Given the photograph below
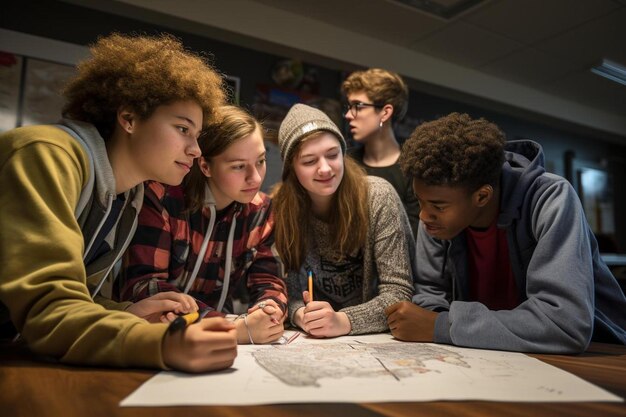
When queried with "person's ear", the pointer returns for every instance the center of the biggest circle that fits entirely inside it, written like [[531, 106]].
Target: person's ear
[[483, 195], [204, 167], [386, 113], [126, 119]]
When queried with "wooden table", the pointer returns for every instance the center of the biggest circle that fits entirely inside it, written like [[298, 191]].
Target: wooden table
[[35, 388]]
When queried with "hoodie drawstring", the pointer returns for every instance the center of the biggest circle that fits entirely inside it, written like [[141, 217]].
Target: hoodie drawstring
[[205, 243], [229, 257], [96, 290]]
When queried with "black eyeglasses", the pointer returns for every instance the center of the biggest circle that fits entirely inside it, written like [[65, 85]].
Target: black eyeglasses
[[356, 106]]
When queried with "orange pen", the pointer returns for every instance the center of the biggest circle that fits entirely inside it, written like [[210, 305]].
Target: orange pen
[[310, 285]]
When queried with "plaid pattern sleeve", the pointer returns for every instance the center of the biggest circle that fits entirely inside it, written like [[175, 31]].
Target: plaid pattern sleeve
[[168, 240], [266, 274], [146, 268]]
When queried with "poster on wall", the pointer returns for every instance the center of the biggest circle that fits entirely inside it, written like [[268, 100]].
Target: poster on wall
[[10, 79], [290, 81], [43, 82]]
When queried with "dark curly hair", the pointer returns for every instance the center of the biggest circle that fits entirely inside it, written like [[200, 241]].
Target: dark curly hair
[[140, 73], [455, 150]]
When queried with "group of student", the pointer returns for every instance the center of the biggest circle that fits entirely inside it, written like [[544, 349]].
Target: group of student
[[464, 240]]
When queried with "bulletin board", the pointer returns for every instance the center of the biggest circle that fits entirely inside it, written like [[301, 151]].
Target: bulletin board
[[30, 90]]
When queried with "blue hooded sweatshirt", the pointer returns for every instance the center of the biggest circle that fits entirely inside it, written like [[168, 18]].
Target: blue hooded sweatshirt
[[566, 290]]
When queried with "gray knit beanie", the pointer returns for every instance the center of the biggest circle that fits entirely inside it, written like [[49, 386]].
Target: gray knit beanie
[[300, 121]]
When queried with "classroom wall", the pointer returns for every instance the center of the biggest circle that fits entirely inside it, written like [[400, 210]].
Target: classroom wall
[[69, 23]]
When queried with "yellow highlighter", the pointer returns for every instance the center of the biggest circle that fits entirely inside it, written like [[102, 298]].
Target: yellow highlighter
[[183, 321]]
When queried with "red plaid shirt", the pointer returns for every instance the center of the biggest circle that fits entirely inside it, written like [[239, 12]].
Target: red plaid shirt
[[167, 242]]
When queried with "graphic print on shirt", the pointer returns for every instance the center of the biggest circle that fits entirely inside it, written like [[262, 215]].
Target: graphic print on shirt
[[338, 282]]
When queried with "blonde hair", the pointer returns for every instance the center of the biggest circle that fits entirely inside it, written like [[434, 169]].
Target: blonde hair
[[348, 213], [232, 125], [382, 87]]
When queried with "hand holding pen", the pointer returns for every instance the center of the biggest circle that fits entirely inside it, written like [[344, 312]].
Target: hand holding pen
[[307, 296], [180, 322], [260, 324], [318, 318], [271, 308], [204, 345]]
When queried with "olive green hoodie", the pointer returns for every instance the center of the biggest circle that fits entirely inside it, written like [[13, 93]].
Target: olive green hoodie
[[43, 280]]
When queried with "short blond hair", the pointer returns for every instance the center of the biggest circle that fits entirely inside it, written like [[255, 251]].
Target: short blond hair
[[382, 87]]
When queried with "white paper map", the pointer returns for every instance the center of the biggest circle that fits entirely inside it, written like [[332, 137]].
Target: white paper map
[[372, 368], [306, 365]]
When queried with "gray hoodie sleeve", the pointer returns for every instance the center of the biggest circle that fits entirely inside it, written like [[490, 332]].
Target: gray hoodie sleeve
[[432, 288], [557, 316]]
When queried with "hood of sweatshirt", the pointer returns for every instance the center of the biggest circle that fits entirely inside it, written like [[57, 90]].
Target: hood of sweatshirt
[[209, 200], [104, 177], [523, 163]]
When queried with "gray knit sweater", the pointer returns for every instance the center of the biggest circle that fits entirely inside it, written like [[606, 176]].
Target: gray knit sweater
[[388, 263]]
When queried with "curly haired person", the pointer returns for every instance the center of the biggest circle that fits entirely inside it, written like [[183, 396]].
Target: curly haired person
[[506, 259], [70, 200]]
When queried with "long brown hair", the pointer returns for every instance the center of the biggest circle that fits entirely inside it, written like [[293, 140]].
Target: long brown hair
[[233, 124], [292, 210]]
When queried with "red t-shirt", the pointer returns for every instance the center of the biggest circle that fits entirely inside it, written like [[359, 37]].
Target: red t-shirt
[[491, 279]]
